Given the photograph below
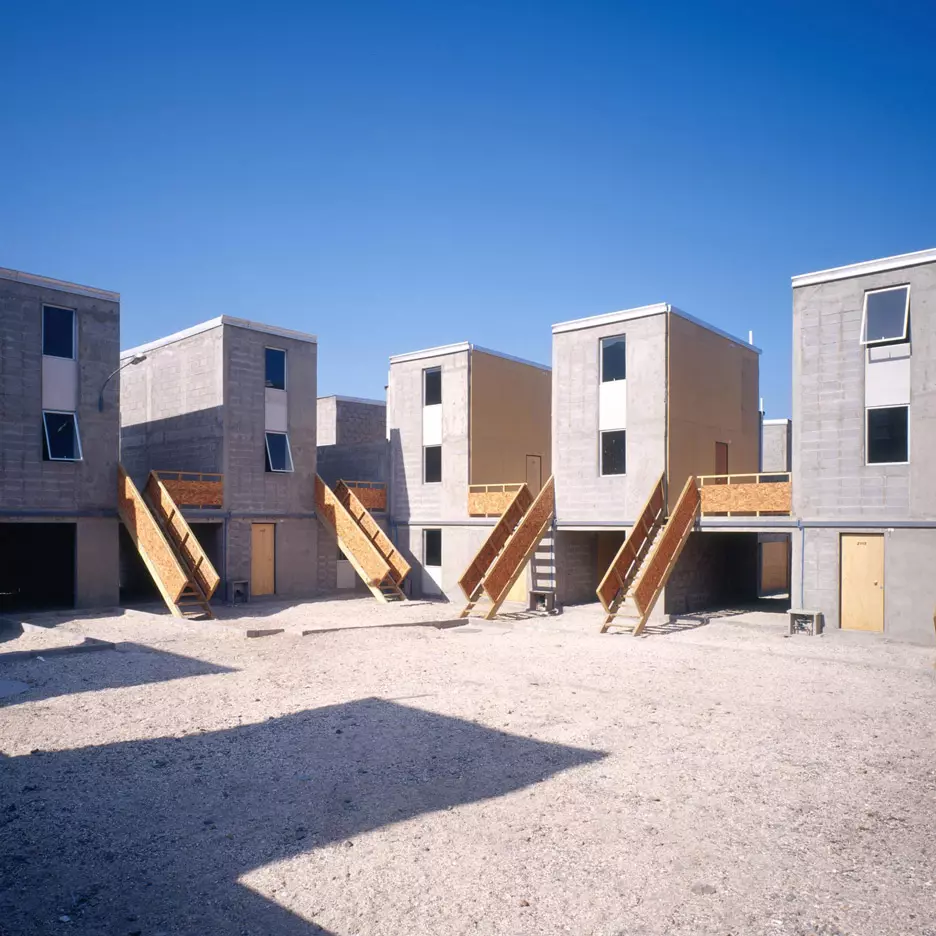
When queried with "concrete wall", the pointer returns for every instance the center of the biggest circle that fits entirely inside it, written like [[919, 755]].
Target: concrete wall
[[171, 407], [715, 571], [576, 558], [97, 579], [367, 462], [26, 481], [412, 500], [346, 421], [460, 544], [776, 445], [713, 397], [582, 495], [510, 419]]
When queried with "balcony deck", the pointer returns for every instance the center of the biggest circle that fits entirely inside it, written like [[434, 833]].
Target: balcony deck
[[372, 494], [764, 494], [490, 500], [202, 490]]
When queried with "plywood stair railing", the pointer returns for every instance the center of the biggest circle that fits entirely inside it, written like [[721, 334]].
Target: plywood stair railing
[[519, 548], [473, 576], [615, 587], [178, 582], [382, 574], [654, 573]]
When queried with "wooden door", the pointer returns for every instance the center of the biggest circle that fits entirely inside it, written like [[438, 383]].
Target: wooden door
[[262, 558], [721, 458], [534, 473], [862, 576]]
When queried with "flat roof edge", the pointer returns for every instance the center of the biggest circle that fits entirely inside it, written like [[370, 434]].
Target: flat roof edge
[[778, 422], [458, 348], [865, 268], [353, 399], [715, 330], [34, 279], [511, 357]]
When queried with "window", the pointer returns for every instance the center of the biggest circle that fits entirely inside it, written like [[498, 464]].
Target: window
[[432, 467], [613, 451], [432, 548], [60, 439], [888, 436], [613, 359], [58, 332], [275, 369], [886, 312], [278, 454], [432, 386]]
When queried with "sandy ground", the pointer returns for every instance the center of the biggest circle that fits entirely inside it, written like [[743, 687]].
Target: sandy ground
[[524, 777]]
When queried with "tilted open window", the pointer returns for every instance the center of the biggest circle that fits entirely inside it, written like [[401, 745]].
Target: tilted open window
[[278, 453], [60, 438], [886, 315]]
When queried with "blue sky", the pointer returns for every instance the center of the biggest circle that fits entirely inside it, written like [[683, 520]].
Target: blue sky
[[392, 176]]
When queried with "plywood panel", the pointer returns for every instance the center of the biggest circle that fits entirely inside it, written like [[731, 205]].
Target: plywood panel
[[769, 497], [399, 567], [862, 571], [491, 503], [262, 558], [775, 567], [201, 493], [373, 497]]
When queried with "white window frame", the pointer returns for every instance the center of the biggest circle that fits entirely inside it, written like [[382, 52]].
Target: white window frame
[[864, 317], [868, 409], [601, 342], [266, 441], [432, 530], [439, 447], [74, 354], [425, 371], [285, 368], [45, 430], [601, 471]]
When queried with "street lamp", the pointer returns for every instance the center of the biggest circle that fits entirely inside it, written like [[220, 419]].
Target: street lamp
[[136, 359]]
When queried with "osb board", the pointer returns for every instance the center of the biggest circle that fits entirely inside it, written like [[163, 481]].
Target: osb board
[[195, 493], [371, 498], [183, 538], [471, 579], [489, 503], [351, 537], [680, 520], [348, 496], [150, 541], [770, 497], [507, 563]]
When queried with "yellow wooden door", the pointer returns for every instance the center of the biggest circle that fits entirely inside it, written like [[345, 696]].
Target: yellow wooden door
[[863, 581], [262, 558]]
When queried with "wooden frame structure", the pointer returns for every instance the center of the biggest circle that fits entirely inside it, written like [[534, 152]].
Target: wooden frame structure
[[491, 500], [757, 494], [196, 489], [371, 494]]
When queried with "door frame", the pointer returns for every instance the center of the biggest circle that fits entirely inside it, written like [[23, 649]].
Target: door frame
[[265, 523], [841, 576]]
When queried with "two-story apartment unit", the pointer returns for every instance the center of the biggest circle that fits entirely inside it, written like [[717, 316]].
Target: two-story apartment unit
[[643, 400], [59, 347], [864, 416], [230, 406], [460, 417]]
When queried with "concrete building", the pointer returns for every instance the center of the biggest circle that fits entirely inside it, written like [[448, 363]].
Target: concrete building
[[776, 445], [59, 343], [459, 417], [775, 548], [232, 402], [638, 395], [864, 411]]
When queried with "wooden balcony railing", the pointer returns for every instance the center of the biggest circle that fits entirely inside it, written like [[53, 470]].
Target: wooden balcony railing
[[746, 495], [372, 494], [490, 500], [200, 489]]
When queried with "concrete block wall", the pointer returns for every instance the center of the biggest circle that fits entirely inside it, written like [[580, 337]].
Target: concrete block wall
[[460, 544], [366, 462], [350, 421], [576, 557], [715, 571], [776, 445]]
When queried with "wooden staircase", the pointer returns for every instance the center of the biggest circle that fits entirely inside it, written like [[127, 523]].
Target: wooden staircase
[[184, 575], [507, 563], [372, 555], [640, 570]]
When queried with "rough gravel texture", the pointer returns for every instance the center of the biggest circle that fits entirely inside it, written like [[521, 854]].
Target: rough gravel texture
[[520, 778]]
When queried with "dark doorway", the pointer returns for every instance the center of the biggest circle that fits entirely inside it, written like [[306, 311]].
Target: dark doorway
[[721, 458], [211, 538], [136, 583], [37, 566]]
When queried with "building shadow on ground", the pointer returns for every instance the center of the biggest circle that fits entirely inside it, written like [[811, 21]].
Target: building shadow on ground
[[63, 671], [152, 836]]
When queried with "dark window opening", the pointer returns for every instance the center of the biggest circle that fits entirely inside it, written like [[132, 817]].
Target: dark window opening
[[275, 369], [886, 315], [432, 386], [613, 359], [58, 332], [60, 441], [433, 464], [613, 452], [432, 547], [887, 435], [278, 454]]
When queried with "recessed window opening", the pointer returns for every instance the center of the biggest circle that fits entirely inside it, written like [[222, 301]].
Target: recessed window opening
[[432, 386], [432, 548], [278, 452], [58, 332], [886, 315], [60, 438], [432, 464], [275, 368], [888, 437], [613, 359], [614, 452]]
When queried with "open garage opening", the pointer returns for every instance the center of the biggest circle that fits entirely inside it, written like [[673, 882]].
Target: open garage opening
[[37, 566]]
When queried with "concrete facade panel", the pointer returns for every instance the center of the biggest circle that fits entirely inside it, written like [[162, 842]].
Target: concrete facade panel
[[97, 562]]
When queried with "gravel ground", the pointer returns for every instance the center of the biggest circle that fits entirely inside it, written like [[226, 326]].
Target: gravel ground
[[524, 777]]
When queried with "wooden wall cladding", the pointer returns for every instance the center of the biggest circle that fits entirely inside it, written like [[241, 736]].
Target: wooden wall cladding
[[373, 567], [399, 567], [489, 503], [194, 493], [154, 548], [520, 502], [370, 497], [527, 534], [774, 497], [180, 533]]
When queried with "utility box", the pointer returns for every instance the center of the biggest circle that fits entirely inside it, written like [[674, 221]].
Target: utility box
[[805, 622]]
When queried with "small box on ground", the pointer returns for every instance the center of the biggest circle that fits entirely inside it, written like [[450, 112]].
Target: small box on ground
[[803, 621]]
